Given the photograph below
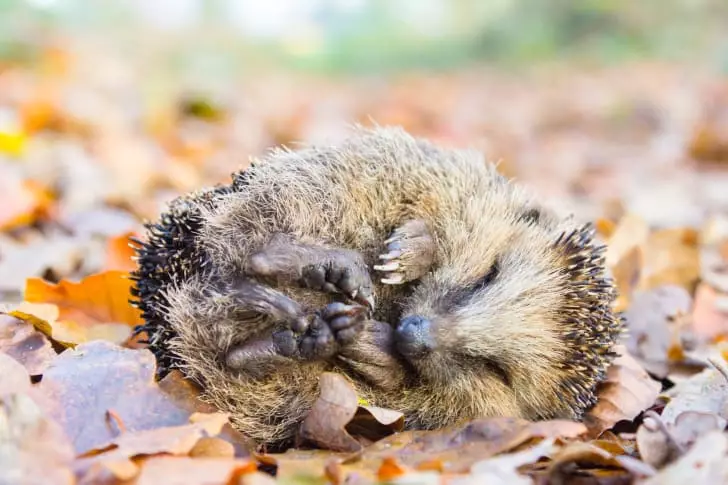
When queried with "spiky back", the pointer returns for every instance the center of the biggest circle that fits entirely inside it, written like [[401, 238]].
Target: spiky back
[[590, 326], [169, 254]]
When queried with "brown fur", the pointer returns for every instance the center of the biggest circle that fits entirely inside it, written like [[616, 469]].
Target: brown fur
[[531, 340]]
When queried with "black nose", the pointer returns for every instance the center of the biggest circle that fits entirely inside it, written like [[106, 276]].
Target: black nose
[[414, 338]]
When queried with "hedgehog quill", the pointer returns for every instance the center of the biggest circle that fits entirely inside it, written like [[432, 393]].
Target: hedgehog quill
[[438, 287]]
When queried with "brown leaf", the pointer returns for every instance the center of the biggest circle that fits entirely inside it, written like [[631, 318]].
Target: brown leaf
[[85, 382], [626, 274], [212, 447], [709, 319], [460, 447], [21, 202], [174, 470], [116, 455], [631, 232], [671, 256], [14, 377], [627, 391], [650, 321], [325, 424], [95, 308], [504, 469], [706, 392], [34, 448], [25, 344], [373, 423], [706, 462]]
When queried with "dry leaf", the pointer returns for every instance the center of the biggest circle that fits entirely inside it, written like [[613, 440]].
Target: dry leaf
[[627, 391], [25, 344], [119, 253], [14, 377], [631, 231], [390, 469], [95, 308], [706, 462], [116, 455], [504, 469], [33, 449], [171, 470], [709, 319], [706, 392], [86, 382], [21, 202], [671, 256], [650, 321], [326, 422]]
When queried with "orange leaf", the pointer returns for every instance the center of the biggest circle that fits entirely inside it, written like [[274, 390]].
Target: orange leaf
[[71, 313], [99, 298], [22, 203], [119, 254], [390, 469]]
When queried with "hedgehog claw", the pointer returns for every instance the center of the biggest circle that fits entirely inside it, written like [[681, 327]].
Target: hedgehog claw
[[391, 266], [410, 252], [394, 279]]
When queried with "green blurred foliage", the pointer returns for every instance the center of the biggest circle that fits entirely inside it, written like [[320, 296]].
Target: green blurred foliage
[[381, 35]]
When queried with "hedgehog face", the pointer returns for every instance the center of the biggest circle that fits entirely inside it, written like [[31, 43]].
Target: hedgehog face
[[474, 314]]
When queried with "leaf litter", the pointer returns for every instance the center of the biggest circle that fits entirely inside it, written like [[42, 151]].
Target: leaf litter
[[78, 396]]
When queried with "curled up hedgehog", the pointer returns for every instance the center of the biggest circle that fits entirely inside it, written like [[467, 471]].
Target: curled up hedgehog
[[435, 285]]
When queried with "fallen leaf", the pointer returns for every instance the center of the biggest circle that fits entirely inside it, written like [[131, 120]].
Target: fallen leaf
[[626, 273], [119, 254], [373, 423], [504, 469], [33, 448], [706, 392], [631, 231], [116, 455], [627, 391], [14, 377], [212, 447], [390, 469], [173, 470], [457, 449], [671, 256], [706, 462], [95, 308], [25, 344], [709, 319], [651, 320], [45, 318], [21, 202], [325, 424], [86, 382]]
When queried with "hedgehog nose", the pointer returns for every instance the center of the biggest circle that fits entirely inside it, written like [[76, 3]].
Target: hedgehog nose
[[413, 337]]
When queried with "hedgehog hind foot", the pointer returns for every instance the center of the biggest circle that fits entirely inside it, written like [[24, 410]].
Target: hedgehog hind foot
[[410, 253], [334, 270], [325, 332]]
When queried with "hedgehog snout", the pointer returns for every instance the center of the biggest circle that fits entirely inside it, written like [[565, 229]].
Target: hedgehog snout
[[413, 337]]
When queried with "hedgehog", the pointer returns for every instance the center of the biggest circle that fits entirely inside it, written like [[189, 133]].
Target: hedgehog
[[438, 287]]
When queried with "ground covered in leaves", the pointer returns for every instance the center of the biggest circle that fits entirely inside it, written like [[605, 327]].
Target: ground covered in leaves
[[86, 156]]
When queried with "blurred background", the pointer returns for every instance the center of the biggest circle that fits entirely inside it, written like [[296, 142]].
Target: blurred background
[[110, 109]]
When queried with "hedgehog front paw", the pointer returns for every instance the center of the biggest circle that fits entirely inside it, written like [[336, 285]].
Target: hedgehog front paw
[[344, 272], [410, 253]]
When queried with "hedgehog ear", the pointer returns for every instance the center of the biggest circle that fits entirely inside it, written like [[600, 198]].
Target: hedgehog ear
[[530, 216]]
